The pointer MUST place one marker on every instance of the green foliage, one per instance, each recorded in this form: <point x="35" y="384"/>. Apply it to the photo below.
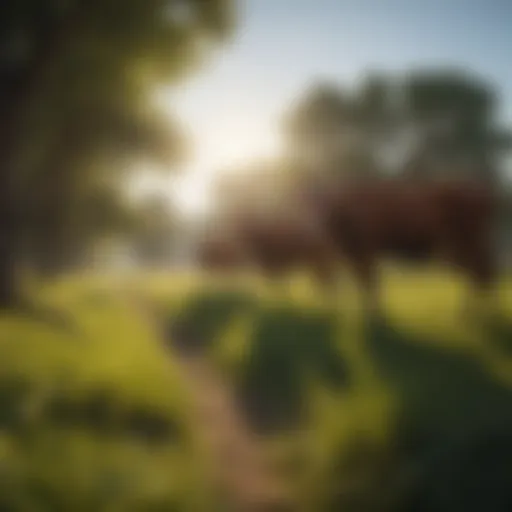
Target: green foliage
<point x="78" y="80"/>
<point x="450" y="113"/>
<point x="56" y="240"/>
<point x="324" y="108"/>
<point x="95" y="63"/>
<point x="431" y="93"/>
<point x="94" y="418"/>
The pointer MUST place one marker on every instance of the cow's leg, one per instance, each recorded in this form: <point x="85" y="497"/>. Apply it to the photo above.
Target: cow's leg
<point x="476" y="259"/>
<point x="327" y="277"/>
<point x="267" y="278"/>
<point x="482" y="269"/>
<point x="284" y="285"/>
<point x="329" y="282"/>
<point x="275" y="278"/>
<point x="455" y="250"/>
<point x="323" y="260"/>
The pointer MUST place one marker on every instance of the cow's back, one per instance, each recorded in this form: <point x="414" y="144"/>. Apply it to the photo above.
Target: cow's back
<point x="406" y="218"/>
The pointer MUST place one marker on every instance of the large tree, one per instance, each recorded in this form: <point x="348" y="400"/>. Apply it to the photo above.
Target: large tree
<point x="58" y="59"/>
<point x="91" y="153"/>
<point x="427" y="123"/>
<point x="454" y="116"/>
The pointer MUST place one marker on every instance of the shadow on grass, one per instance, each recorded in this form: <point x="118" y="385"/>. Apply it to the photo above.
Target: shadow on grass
<point x="205" y="317"/>
<point x="287" y="347"/>
<point x="440" y="389"/>
<point x="471" y="474"/>
<point x="499" y="333"/>
<point x="100" y="412"/>
<point x="51" y="317"/>
<point x="22" y="409"/>
<point x="14" y="395"/>
<point x="454" y="420"/>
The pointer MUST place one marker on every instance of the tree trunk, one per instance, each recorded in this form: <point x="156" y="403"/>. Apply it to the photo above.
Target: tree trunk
<point x="9" y="220"/>
<point x="9" y="272"/>
<point x="16" y="95"/>
<point x="47" y="261"/>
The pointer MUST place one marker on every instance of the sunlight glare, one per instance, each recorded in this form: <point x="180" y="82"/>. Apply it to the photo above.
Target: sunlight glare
<point x="233" y="150"/>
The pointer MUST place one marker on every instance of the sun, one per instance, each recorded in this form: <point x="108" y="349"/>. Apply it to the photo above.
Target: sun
<point x="220" y="151"/>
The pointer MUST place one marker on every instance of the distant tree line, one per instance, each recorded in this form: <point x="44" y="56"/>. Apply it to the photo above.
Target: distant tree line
<point x="425" y="123"/>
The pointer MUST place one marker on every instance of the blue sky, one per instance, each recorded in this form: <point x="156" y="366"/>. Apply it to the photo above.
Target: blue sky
<point x="232" y="107"/>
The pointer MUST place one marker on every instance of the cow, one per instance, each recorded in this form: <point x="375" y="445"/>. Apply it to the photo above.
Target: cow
<point x="275" y="243"/>
<point x="408" y="220"/>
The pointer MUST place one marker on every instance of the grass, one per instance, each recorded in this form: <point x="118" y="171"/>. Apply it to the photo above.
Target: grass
<point x="360" y="415"/>
<point x="356" y="408"/>
<point x="93" y="417"/>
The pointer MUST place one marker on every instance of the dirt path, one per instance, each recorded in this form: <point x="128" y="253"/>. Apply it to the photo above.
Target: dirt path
<point x="242" y="473"/>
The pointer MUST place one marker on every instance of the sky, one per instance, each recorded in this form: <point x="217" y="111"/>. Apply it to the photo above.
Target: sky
<point x="231" y="108"/>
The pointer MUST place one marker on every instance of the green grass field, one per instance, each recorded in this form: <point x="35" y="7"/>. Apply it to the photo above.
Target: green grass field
<point x="93" y="415"/>
<point x="377" y="397"/>
<point x="359" y="414"/>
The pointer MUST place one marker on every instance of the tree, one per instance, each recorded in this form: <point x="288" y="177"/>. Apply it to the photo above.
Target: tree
<point x="453" y="114"/>
<point x="444" y="120"/>
<point x="66" y="53"/>
<point x="379" y="123"/>
<point x="54" y="245"/>
<point x="318" y="126"/>
<point x="339" y="132"/>
<point x="87" y="160"/>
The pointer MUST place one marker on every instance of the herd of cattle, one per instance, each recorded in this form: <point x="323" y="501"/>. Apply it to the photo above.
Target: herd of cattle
<point x="359" y="223"/>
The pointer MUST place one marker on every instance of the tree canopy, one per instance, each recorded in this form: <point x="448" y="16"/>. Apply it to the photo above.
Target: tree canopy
<point x="76" y="85"/>
<point x="444" y="119"/>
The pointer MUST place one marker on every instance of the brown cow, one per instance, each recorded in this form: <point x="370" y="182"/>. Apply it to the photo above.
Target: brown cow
<point x="409" y="220"/>
<point x="274" y="243"/>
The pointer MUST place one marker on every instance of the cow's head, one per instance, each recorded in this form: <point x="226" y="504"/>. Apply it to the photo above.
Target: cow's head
<point x="220" y="252"/>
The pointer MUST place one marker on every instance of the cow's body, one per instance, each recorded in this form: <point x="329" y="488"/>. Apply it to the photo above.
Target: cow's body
<point x="273" y="243"/>
<point x="413" y="221"/>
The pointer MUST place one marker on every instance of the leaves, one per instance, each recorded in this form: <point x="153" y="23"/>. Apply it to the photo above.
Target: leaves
<point x="77" y="84"/>
<point x="447" y="114"/>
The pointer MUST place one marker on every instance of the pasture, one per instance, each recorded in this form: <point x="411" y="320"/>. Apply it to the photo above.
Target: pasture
<point x="356" y="415"/>
<point x="92" y="416"/>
